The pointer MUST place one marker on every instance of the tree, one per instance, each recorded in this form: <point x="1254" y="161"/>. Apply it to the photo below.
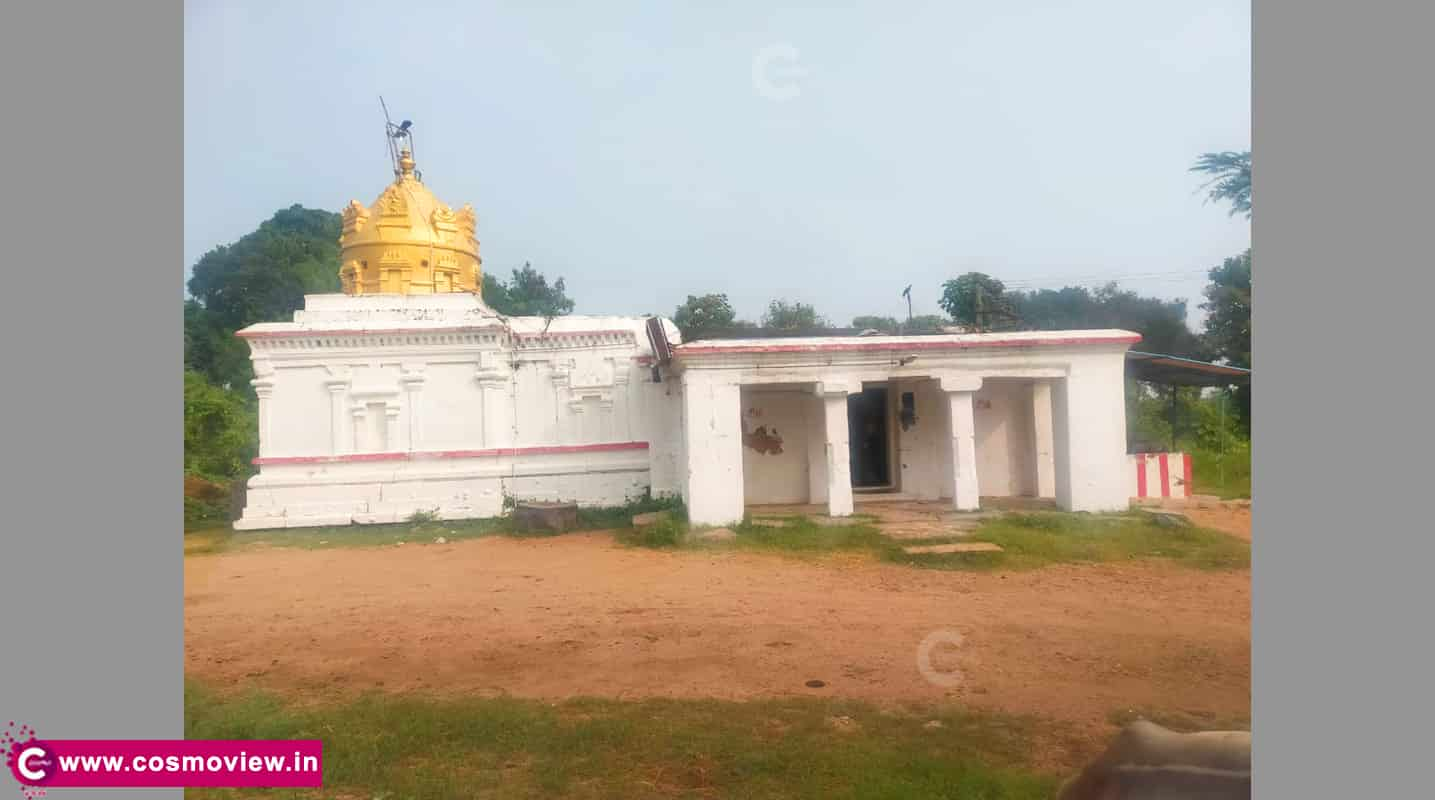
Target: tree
<point x="1228" y="308"/>
<point x="211" y="349"/>
<point x="701" y="317"/>
<point x="926" y="323"/>
<point x="1161" y="323"/>
<point x="261" y="277"/>
<point x="972" y="299"/>
<point x="220" y="432"/>
<point x="264" y="276"/>
<point x="784" y="316"/>
<point x="884" y="324"/>
<point x="527" y="294"/>
<point x="1228" y="322"/>
<point x="1230" y="180"/>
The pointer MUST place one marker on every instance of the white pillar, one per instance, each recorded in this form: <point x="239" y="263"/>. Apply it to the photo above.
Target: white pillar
<point x="816" y="450"/>
<point x="712" y="439"/>
<point x="339" y="425"/>
<point x="837" y="453"/>
<point x="1042" y="437"/>
<point x="394" y="435"/>
<point x="413" y="381"/>
<point x="264" y="390"/>
<point x="966" y="494"/>
<point x="496" y="402"/>
<point x="1089" y="426"/>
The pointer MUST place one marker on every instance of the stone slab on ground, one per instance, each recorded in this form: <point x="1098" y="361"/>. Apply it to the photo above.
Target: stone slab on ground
<point x="715" y="535"/>
<point x="1168" y="519"/>
<point x="956" y="547"/>
<point x="533" y="516"/>
<point x="928" y="530"/>
<point x="650" y="518"/>
<point x="771" y="522"/>
<point x="824" y="521"/>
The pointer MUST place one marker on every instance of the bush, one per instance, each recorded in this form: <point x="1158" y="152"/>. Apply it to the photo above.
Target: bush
<point x="664" y="533"/>
<point x="220" y="431"/>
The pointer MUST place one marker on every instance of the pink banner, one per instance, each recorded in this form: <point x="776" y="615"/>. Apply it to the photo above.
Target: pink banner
<point x="159" y="763"/>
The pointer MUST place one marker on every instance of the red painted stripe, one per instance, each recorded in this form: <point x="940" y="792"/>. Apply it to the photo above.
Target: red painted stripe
<point x="907" y="345"/>
<point x="1165" y="475"/>
<point x="248" y="334"/>
<point x="1140" y="474"/>
<point x="1186" y="465"/>
<point x="541" y="450"/>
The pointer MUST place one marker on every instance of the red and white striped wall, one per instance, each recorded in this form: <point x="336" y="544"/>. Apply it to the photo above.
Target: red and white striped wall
<point x="1160" y="474"/>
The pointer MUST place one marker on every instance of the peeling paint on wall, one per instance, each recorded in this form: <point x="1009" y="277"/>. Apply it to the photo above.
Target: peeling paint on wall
<point x="762" y="441"/>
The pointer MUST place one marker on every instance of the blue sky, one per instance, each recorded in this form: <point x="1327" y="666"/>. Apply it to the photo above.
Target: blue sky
<point x="647" y="151"/>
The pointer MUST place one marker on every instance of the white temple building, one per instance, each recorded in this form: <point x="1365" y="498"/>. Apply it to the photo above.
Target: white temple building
<point x="407" y="394"/>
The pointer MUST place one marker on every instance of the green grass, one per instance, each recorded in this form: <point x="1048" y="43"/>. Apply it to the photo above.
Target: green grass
<point x="1183" y="721"/>
<point x="1226" y="475"/>
<point x="395" y="747"/>
<point x="1035" y="540"/>
<point x="421" y="529"/>
<point x="1028" y="541"/>
<point x="802" y="536"/>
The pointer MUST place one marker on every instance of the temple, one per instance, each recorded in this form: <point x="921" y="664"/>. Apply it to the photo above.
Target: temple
<point x="405" y="393"/>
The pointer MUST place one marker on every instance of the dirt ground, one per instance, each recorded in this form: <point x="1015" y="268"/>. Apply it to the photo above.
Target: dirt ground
<point x="1235" y="520"/>
<point x="581" y="615"/>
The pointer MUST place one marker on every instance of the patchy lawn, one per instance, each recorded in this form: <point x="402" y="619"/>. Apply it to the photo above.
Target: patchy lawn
<point x="1028" y="541"/>
<point x="392" y="746"/>
<point x="223" y="538"/>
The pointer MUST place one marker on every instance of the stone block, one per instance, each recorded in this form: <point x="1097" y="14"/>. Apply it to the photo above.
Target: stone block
<point x="651" y="518"/>
<point x="532" y="516"/>
<point x="715" y="535"/>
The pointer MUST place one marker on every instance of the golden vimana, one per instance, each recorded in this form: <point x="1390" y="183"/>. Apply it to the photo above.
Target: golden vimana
<point x="409" y="242"/>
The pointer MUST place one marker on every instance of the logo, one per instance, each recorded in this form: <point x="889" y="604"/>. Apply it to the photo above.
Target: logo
<point x="30" y="760"/>
<point x="944" y="678"/>
<point x="770" y="65"/>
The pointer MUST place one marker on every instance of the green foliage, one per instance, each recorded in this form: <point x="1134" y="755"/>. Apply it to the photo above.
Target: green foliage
<point x="423" y="517"/>
<point x="799" y="535"/>
<point x="662" y="534"/>
<point x="1215" y="436"/>
<point x="979" y="300"/>
<point x="1040" y="539"/>
<point x="1230" y="179"/>
<point x="527" y="294"/>
<point x="421" y="527"/>
<point x="970" y="298"/>
<point x="1161" y="323"/>
<point x="701" y="317"/>
<point x="264" y="276"/>
<point x="212" y="350"/>
<point x="884" y="324"/>
<point x="922" y="323"/>
<point x="926" y="323"/>
<point x="1228" y="322"/>
<point x="619" y="517"/>
<point x="796" y="316"/>
<point x="395" y="746"/>
<point x="220" y="430"/>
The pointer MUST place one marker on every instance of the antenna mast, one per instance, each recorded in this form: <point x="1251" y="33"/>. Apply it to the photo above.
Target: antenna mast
<point x="393" y="134"/>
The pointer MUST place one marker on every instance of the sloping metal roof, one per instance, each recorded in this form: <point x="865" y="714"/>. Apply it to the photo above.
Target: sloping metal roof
<point x="1177" y="371"/>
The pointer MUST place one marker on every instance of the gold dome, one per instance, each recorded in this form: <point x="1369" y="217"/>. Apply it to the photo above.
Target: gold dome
<point x="408" y="242"/>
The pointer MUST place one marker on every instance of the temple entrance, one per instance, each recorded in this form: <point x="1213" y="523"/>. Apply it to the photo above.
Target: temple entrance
<point x="869" y="439"/>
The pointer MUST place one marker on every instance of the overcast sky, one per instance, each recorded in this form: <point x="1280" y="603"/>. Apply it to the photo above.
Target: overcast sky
<point x="645" y="152"/>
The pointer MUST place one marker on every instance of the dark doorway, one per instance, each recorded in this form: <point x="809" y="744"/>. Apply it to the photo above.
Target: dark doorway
<point x="867" y="438"/>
